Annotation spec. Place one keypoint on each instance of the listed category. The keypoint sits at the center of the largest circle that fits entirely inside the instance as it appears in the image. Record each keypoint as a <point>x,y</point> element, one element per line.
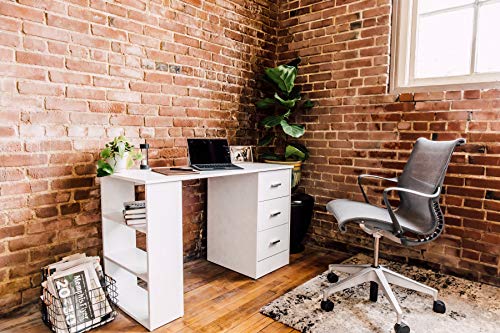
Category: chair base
<point>379,276</point>
<point>382,277</point>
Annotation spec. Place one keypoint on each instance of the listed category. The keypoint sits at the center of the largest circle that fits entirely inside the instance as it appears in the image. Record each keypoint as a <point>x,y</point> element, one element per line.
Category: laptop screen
<point>208,151</point>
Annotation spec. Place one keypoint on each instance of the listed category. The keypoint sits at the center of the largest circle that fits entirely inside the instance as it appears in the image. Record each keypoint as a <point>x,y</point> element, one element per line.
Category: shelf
<point>133,260</point>
<point>134,302</point>
<point>117,217</point>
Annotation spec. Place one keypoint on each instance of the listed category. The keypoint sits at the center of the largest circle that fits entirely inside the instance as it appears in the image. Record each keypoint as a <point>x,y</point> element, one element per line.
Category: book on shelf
<point>134,211</point>
<point>132,205</point>
<point>134,216</point>
<point>135,221</point>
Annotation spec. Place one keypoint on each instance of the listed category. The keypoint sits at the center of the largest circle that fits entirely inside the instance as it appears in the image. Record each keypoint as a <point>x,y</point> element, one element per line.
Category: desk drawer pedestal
<point>249,222</point>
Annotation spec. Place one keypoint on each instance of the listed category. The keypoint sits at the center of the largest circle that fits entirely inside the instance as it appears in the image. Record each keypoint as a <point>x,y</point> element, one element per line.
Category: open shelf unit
<point>160,266</point>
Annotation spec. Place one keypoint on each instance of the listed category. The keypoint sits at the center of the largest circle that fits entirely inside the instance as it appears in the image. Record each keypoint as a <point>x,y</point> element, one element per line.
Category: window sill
<point>445,87</point>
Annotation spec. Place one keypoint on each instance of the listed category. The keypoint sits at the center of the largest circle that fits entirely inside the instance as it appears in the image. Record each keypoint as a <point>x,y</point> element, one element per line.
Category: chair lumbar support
<point>377,275</point>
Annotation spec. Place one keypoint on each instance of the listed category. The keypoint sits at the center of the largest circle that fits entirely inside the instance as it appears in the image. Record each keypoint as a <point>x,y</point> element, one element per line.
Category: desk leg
<point>165,254</point>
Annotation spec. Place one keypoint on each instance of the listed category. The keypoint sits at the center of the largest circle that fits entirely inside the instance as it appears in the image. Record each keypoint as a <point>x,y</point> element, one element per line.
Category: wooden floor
<point>215,299</point>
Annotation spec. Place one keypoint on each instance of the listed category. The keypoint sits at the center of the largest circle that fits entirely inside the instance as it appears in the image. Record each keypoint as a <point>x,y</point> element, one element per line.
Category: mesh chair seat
<point>346,211</point>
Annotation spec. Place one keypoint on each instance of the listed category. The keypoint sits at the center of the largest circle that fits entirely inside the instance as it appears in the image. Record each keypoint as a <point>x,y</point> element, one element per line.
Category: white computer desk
<point>248,215</point>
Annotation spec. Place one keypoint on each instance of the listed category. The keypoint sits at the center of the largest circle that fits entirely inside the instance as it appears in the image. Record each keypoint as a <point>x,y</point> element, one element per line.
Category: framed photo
<point>241,154</point>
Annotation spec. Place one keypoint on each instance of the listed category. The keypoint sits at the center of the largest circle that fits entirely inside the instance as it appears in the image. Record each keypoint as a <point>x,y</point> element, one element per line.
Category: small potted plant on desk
<point>283,100</point>
<point>118,155</point>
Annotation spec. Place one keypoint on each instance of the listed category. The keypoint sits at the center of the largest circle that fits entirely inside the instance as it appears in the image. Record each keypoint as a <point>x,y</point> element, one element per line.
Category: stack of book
<point>134,212</point>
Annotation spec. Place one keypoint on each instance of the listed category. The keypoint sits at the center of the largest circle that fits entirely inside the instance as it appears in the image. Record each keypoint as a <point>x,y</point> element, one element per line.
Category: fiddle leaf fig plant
<point>283,100</point>
<point>117,154</point>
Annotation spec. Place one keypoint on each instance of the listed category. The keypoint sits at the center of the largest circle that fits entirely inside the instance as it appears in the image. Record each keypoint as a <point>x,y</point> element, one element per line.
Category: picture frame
<point>241,154</point>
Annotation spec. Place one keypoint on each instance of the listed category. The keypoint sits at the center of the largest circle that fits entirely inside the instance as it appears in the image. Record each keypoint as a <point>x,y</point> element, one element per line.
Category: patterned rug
<point>470,307</point>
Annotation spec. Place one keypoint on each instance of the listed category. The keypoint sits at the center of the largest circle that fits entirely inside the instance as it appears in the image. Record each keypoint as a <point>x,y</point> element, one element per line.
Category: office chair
<point>417,220</point>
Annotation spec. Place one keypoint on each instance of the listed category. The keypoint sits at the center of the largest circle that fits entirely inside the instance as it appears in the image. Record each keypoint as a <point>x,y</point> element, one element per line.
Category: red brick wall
<point>75,73</point>
<point>358,127</point>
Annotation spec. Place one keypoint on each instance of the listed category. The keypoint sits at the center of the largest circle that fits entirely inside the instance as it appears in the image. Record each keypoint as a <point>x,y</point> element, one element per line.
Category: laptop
<point>210,154</point>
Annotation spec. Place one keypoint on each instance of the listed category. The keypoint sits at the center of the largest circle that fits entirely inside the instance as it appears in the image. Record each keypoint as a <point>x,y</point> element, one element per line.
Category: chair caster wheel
<point>373,291</point>
<point>327,305</point>
<point>401,328</point>
<point>332,277</point>
<point>439,307</point>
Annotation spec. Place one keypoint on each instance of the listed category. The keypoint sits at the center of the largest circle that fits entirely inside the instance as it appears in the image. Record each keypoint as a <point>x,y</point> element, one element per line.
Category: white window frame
<point>403,41</point>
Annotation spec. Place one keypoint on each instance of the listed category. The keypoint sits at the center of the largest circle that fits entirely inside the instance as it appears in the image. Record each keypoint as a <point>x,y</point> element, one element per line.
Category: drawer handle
<point>275,214</point>
<point>275,242</point>
<point>275,185</point>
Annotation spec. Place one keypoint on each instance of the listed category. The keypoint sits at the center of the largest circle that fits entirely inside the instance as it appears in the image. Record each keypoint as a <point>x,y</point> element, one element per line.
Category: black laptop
<point>210,154</point>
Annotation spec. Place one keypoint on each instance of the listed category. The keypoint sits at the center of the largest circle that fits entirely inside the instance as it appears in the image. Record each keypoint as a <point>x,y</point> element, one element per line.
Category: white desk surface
<point>150,177</point>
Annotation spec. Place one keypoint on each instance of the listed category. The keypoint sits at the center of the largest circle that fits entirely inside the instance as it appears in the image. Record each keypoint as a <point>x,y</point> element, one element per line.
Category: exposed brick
<point>31,241</point>
<point>377,131</point>
<point>78,73</point>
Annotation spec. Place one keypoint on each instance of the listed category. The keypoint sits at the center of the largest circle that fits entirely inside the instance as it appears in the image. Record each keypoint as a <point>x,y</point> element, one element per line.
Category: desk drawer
<point>272,263</point>
<point>272,241</point>
<point>273,213</point>
<point>274,184</point>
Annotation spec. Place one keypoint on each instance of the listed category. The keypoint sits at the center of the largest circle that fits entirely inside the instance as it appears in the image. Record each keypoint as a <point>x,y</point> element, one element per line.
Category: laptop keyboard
<point>214,165</point>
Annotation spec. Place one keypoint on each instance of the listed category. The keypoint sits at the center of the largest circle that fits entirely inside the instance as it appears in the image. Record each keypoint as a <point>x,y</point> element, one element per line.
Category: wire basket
<point>103,304</point>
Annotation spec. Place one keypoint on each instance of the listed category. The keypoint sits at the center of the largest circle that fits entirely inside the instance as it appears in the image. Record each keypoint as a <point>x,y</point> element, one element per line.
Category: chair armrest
<point>363,176</point>
<point>398,231</point>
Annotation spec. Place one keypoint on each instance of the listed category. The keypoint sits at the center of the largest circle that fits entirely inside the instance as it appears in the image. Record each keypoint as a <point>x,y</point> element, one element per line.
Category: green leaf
<point>295,131</point>
<point>284,76</point>
<point>288,103</point>
<point>106,153</point>
<point>266,140</point>
<point>130,162</point>
<point>271,121</point>
<point>270,156</point>
<point>297,152</point>
<point>265,103</point>
<point>121,149</point>
<point>104,169</point>
<point>308,104</point>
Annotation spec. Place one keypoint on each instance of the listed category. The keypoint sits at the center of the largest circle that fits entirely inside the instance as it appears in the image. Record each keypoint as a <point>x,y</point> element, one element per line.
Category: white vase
<point>118,163</point>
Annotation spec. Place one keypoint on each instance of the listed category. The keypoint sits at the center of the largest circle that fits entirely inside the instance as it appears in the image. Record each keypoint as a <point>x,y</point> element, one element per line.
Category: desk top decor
<point>118,155</point>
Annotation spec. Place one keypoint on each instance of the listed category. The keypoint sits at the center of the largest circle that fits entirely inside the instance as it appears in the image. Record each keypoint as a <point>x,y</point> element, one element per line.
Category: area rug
<point>470,307</point>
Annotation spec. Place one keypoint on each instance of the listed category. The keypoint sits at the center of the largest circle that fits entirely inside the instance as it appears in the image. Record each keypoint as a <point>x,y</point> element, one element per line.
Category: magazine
<point>79,299</point>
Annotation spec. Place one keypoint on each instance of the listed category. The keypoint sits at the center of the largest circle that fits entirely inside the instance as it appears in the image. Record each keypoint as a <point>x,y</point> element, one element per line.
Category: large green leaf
<point>265,103</point>
<point>297,150</point>
<point>266,140</point>
<point>295,131</point>
<point>288,103</point>
<point>271,121</point>
<point>292,151</point>
<point>284,76</point>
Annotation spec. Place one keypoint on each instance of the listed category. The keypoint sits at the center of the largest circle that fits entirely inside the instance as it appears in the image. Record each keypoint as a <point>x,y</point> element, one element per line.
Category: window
<point>445,44</point>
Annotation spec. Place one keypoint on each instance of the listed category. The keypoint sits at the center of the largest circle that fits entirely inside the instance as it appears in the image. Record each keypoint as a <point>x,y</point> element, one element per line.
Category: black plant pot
<point>301,214</point>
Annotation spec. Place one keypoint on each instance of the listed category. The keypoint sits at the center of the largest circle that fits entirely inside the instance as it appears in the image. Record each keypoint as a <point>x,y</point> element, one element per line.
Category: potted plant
<point>283,100</point>
<point>118,155</point>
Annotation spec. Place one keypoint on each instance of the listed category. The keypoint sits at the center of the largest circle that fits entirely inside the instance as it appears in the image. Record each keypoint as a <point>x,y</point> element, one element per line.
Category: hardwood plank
<point>215,299</point>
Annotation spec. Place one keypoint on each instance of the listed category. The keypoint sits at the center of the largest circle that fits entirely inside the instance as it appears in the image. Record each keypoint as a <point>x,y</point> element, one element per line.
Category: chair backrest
<point>425,172</point>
